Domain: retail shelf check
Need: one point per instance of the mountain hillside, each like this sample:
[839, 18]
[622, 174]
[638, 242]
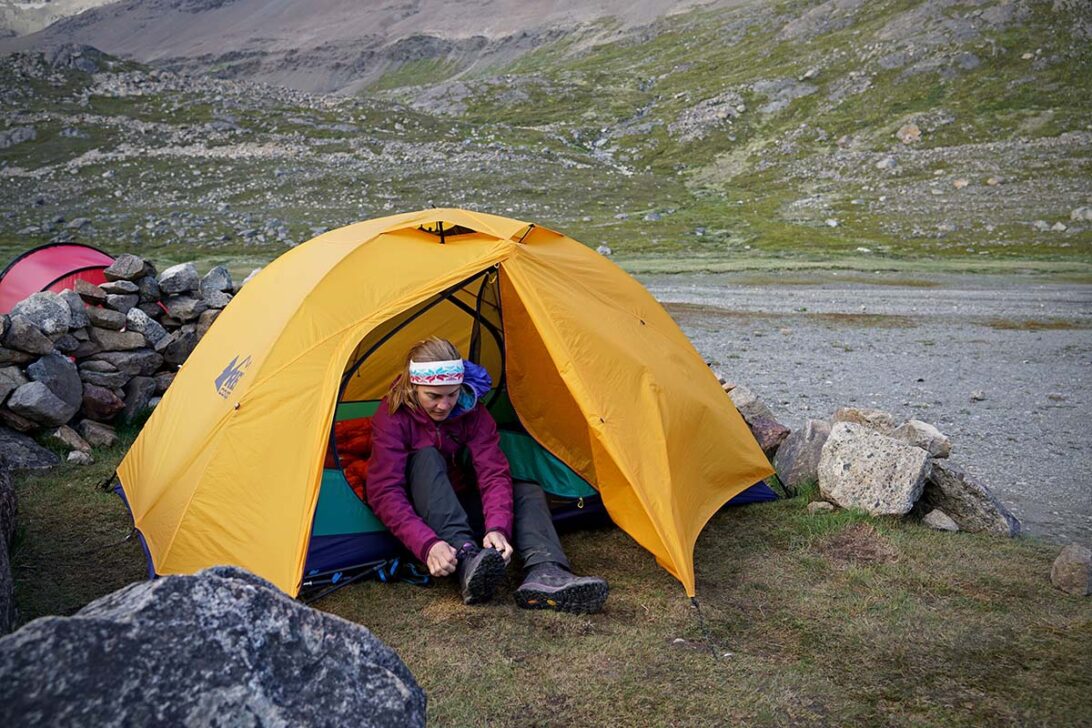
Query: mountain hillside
[957, 130]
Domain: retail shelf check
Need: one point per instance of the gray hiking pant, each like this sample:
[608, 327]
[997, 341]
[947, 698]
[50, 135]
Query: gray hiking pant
[457, 517]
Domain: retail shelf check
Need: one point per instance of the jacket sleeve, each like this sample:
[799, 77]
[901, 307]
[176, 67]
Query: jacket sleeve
[386, 489]
[491, 468]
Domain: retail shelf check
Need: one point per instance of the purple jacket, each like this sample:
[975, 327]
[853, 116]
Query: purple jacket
[395, 437]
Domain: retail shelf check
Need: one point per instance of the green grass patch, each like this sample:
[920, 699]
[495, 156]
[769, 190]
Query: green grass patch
[806, 619]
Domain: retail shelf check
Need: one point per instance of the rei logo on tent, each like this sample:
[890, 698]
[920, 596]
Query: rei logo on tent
[231, 375]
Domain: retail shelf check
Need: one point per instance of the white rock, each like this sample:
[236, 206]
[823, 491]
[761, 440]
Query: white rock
[939, 520]
[861, 468]
[923, 435]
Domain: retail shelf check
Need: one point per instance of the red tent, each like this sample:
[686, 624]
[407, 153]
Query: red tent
[50, 267]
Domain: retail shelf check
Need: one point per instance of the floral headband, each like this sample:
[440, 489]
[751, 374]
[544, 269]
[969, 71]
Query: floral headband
[436, 373]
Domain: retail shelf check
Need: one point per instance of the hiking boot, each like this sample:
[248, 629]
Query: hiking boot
[479, 572]
[549, 586]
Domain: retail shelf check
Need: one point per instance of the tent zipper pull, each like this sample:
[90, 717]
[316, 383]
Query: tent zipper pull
[580, 502]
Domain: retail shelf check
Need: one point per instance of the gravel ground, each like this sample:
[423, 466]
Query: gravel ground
[918, 348]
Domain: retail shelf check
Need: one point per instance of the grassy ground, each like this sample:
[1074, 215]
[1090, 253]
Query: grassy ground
[827, 619]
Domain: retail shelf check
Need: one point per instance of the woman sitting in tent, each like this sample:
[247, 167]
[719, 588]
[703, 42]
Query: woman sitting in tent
[438, 509]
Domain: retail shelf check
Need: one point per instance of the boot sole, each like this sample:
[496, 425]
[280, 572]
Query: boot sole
[485, 579]
[576, 599]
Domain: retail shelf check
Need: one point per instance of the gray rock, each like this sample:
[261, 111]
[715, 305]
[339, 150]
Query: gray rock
[60, 375]
[205, 321]
[21, 452]
[5, 322]
[820, 507]
[77, 311]
[47, 310]
[968, 502]
[108, 380]
[217, 279]
[1072, 570]
[117, 340]
[185, 308]
[79, 457]
[874, 419]
[940, 521]
[861, 468]
[37, 403]
[797, 460]
[12, 356]
[90, 293]
[23, 335]
[978, 395]
[748, 404]
[18, 135]
[141, 362]
[127, 267]
[180, 347]
[1081, 214]
[16, 422]
[180, 278]
[221, 647]
[149, 291]
[11, 378]
[123, 288]
[137, 320]
[67, 438]
[66, 343]
[96, 433]
[887, 163]
[122, 301]
[138, 392]
[86, 349]
[106, 318]
[100, 403]
[769, 433]
[923, 435]
[163, 381]
[79, 223]
[217, 299]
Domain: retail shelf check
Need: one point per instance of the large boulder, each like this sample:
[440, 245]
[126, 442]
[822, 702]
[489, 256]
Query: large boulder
[179, 279]
[861, 468]
[968, 502]
[22, 452]
[61, 376]
[47, 310]
[878, 420]
[222, 647]
[797, 460]
[1072, 570]
[24, 335]
[11, 378]
[37, 403]
[923, 435]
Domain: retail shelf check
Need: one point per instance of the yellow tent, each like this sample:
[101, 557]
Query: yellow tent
[228, 468]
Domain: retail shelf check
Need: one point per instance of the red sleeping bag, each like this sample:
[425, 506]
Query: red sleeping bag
[354, 447]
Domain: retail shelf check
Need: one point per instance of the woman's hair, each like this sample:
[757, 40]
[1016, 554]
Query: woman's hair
[402, 392]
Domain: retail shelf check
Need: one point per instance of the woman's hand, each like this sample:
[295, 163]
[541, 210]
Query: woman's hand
[441, 559]
[496, 540]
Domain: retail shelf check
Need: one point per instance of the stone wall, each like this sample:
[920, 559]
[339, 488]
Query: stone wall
[78, 363]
